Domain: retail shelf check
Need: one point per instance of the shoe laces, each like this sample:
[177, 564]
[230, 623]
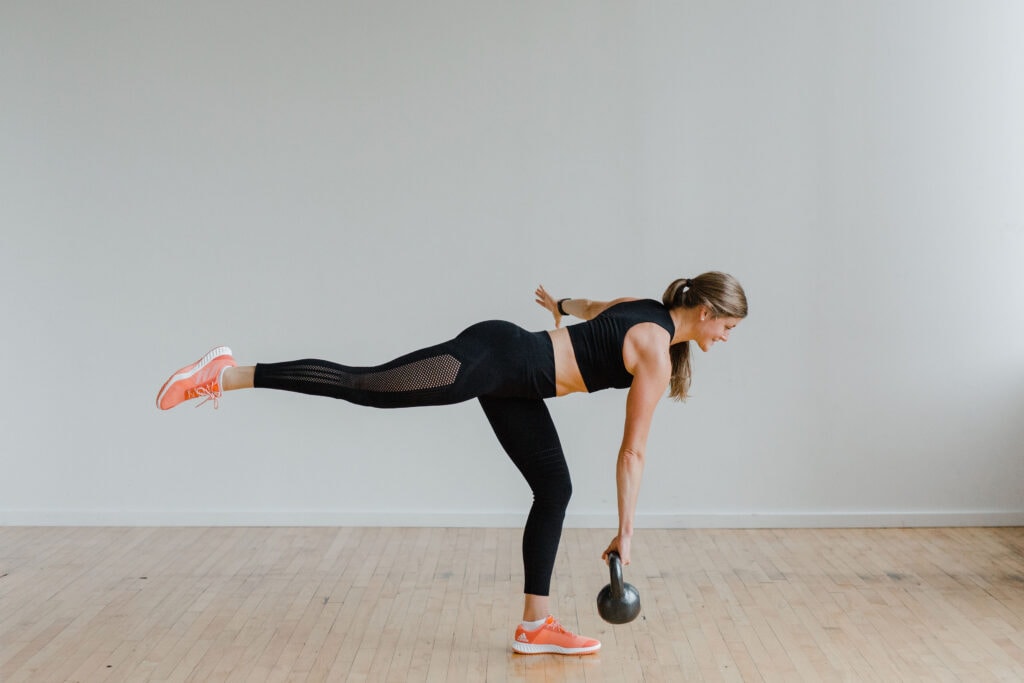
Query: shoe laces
[554, 625]
[210, 392]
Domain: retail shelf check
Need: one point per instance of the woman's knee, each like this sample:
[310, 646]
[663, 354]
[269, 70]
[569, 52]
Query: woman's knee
[552, 484]
[562, 493]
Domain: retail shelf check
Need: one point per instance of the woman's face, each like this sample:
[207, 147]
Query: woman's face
[711, 330]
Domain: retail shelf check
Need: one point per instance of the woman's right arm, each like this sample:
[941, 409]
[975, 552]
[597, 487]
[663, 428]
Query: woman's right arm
[584, 309]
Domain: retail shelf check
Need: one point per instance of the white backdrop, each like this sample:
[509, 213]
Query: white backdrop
[353, 180]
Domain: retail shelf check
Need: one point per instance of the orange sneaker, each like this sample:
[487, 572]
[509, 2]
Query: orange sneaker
[552, 638]
[198, 380]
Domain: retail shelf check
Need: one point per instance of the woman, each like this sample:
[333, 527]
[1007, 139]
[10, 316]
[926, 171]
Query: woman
[641, 345]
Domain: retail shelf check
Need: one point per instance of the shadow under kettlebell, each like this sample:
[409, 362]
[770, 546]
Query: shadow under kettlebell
[618, 602]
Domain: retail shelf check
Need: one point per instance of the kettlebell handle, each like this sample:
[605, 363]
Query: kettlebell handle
[615, 572]
[618, 602]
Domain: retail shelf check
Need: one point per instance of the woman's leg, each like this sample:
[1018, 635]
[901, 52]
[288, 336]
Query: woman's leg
[526, 432]
[489, 358]
[439, 375]
[432, 376]
[238, 378]
[454, 371]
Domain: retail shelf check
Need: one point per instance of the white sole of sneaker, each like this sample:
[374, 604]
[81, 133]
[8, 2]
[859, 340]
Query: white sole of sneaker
[188, 371]
[529, 649]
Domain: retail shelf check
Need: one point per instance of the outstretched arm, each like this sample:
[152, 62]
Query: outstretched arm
[651, 376]
[585, 309]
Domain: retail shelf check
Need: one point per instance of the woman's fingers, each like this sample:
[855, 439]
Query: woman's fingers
[547, 301]
[619, 545]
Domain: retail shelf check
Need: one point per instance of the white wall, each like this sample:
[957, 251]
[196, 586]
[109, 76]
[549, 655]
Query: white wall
[355, 180]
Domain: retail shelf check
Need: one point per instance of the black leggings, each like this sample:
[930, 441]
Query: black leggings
[509, 370]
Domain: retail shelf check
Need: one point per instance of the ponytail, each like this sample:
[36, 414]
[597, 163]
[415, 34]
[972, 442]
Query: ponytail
[722, 295]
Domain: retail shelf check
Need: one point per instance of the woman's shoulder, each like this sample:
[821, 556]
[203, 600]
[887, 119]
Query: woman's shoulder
[644, 310]
[646, 344]
[641, 311]
[631, 303]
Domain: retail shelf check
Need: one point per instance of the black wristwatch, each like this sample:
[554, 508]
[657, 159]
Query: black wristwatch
[562, 301]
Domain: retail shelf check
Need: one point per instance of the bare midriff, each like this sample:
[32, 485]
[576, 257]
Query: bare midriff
[568, 379]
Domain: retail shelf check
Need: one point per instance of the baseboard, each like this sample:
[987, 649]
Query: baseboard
[687, 520]
[833, 520]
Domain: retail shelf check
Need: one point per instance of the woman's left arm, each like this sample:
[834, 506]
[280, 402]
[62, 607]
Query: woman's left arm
[651, 376]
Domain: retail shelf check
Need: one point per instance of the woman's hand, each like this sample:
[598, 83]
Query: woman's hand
[548, 302]
[619, 544]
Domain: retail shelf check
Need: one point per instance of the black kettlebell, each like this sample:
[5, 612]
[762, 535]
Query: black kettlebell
[618, 602]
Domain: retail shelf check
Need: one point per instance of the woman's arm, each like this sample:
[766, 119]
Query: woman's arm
[585, 309]
[651, 374]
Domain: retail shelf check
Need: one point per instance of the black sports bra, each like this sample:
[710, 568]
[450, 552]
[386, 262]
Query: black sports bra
[597, 343]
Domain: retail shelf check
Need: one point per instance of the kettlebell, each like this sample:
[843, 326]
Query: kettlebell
[618, 602]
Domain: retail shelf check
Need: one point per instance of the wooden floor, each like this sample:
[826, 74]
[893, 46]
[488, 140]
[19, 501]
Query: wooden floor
[319, 604]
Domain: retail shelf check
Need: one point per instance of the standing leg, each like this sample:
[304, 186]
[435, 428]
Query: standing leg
[527, 433]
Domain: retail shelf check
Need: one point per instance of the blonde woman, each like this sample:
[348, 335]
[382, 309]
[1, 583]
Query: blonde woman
[637, 344]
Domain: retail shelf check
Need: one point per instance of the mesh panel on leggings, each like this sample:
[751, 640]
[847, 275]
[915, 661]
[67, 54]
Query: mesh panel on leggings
[429, 373]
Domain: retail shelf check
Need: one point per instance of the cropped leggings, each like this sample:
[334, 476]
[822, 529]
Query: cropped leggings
[509, 371]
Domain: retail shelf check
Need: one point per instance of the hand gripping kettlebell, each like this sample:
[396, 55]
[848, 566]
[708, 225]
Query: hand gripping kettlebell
[618, 602]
